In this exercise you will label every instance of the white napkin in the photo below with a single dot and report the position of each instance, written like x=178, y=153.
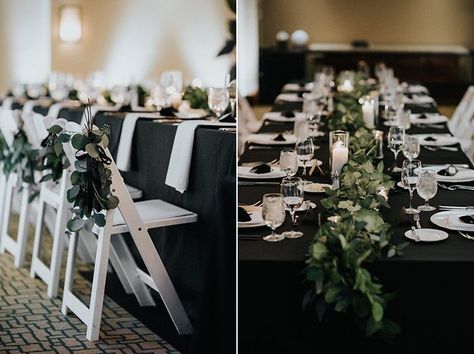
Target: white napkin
x=181, y=153
x=56, y=108
x=440, y=139
x=7, y=103
x=418, y=99
x=296, y=87
x=289, y=97
x=269, y=139
x=431, y=118
x=244, y=172
x=126, y=137
x=417, y=89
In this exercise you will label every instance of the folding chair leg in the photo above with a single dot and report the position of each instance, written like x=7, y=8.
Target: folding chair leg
x=57, y=251
x=7, y=206
x=69, y=276
x=22, y=236
x=126, y=268
x=37, y=237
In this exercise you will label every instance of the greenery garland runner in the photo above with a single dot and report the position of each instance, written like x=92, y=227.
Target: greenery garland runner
x=21, y=158
x=90, y=192
x=341, y=250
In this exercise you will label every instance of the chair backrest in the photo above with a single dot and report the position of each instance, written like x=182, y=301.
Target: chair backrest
x=34, y=128
x=462, y=114
x=9, y=125
x=247, y=121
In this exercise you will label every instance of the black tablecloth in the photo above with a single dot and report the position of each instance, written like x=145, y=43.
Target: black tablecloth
x=426, y=278
x=200, y=258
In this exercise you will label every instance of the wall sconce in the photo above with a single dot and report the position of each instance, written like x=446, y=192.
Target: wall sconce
x=70, y=23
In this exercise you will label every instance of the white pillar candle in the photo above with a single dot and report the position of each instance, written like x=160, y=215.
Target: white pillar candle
x=340, y=156
x=368, y=113
x=346, y=86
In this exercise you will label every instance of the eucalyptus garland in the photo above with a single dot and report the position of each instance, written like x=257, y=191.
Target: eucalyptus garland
x=90, y=192
x=21, y=158
x=341, y=251
x=51, y=159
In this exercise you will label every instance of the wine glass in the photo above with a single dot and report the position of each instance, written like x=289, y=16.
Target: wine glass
x=273, y=213
x=410, y=172
x=218, y=100
x=293, y=196
x=232, y=87
x=396, y=137
x=288, y=162
x=411, y=147
x=305, y=151
x=426, y=188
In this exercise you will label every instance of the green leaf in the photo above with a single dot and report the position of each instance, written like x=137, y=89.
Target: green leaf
x=80, y=165
x=112, y=202
x=319, y=250
x=64, y=138
x=315, y=274
x=75, y=177
x=79, y=141
x=75, y=225
x=89, y=225
x=47, y=177
x=72, y=193
x=58, y=148
x=99, y=220
x=377, y=311
x=55, y=129
x=91, y=149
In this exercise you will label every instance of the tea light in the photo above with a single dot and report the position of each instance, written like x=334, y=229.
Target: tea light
x=340, y=156
x=346, y=87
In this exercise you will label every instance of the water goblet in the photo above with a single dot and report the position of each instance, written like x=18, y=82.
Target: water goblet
x=305, y=151
x=288, y=162
x=293, y=196
x=409, y=178
x=395, y=138
x=426, y=188
x=411, y=147
x=273, y=214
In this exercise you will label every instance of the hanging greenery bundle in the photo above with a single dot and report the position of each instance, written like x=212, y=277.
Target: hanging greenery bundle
x=51, y=158
x=90, y=192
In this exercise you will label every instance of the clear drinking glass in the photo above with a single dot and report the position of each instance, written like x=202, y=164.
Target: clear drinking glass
x=273, y=213
x=305, y=151
x=426, y=188
x=218, y=100
x=288, y=162
x=410, y=172
x=411, y=147
x=395, y=139
x=232, y=87
x=293, y=197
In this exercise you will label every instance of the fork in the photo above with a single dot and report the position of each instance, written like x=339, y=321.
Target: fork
x=456, y=187
x=416, y=218
x=436, y=148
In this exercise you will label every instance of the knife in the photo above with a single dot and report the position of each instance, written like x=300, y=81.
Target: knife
x=451, y=207
x=459, y=165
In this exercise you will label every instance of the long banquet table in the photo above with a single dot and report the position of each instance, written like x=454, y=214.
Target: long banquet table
x=200, y=258
x=433, y=282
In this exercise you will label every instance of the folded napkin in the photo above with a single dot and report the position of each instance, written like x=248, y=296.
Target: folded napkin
x=259, y=169
x=181, y=153
x=279, y=137
x=126, y=138
x=417, y=89
x=243, y=215
x=297, y=87
x=418, y=99
x=468, y=219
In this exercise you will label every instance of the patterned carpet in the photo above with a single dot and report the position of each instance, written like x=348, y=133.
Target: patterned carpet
x=30, y=322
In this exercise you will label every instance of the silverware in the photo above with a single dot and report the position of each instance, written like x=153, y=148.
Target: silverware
x=458, y=165
x=245, y=183
x=250, y=237
x=416, y=218
x=256, y=163
x=260, y=147
x=452, y=207
x=415, y=236
x=436, y=148
x=456, y=187
x=466, y=235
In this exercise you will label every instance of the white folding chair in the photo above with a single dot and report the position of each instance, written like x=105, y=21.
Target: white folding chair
x=135, y=218
x=462, y=116
x=9, y=127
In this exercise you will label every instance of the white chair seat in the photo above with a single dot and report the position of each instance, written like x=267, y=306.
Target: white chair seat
x=154, y=213
x=135, y=193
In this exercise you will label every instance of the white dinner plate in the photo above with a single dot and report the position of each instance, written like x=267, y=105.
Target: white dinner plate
x=268, y=139
x=427, y=235
x=192, y=114
x=441, y=139
x=277, y=117
x=463, y=175
x=244, y=172
x=255, y=216
x=315, y=187
x=289, y=97
x=431, y=118
x=450, y=220
x=400, y=184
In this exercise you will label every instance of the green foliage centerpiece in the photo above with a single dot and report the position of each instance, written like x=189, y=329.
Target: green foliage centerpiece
x=90, y=192
x=341, y=251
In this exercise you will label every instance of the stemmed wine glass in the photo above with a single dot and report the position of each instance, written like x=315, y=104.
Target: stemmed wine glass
x=410, y=171
x=288, y=162
x=218, y=100
x=426, y=188
x=305, y=151
x=396, y=137
x=293, y=196
x=411, y=147
x=232, y=87
x=273, y=213
x=404, y=119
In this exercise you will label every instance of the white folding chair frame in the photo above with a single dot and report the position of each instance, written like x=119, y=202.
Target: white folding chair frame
x=158, y=279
